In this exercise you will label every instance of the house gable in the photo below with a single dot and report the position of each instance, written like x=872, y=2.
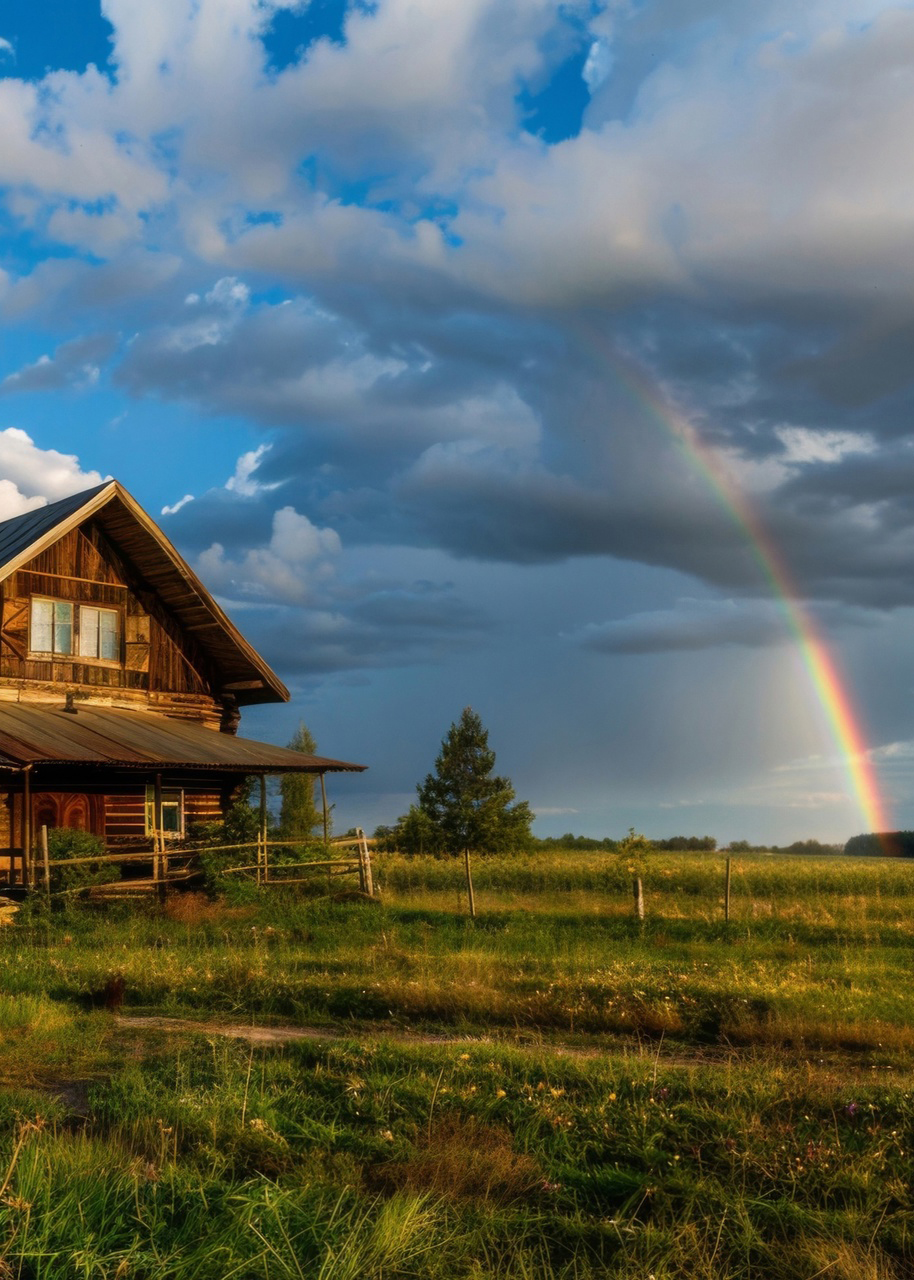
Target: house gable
x=95, y=600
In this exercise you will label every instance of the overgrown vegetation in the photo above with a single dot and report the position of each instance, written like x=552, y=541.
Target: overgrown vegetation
x=65, y=843
x=681, y=1098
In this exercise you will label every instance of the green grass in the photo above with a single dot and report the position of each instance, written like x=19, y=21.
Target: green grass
x=682, y=1099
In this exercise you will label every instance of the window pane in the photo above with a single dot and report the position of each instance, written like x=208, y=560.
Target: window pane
x=63, y=627
x=108, y=646
x=88, y=632
x=42, y=624
x=172, y=812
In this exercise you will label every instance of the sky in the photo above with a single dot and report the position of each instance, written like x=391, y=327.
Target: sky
x=415, y=325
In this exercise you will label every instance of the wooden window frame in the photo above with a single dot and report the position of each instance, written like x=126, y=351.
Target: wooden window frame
x=171, y=796
x=76, y=607
x=51, y=653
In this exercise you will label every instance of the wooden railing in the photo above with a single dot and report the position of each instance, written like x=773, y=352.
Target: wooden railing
x=172, y=864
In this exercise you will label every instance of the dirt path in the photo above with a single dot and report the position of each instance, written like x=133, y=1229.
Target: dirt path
x=672, y=1054
x=287, y=1034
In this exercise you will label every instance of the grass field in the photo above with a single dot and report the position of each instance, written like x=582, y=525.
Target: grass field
x=552, y=1090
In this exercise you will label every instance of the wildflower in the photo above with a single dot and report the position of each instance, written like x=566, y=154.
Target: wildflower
x=851, y=1109
x=612, y=1097
x=500, y=1093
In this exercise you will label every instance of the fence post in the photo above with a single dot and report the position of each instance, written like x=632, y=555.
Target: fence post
x=46, y=859
x=471, y=898
x=727, y=892
x=638, y=893
x=366, y=882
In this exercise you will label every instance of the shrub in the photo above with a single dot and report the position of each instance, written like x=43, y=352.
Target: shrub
x=64, y=843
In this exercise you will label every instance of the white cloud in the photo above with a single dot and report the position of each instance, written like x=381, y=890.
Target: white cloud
x=6, y=49
x=182, y=502
x=598, y=65
x=243, y=482
x=803, y=445
x=229, y=292
x=297, y=560
x=33, y=476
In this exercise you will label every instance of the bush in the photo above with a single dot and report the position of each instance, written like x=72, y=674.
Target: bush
x=64, y=843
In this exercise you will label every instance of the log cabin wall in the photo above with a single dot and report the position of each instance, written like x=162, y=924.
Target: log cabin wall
x=157, y=664
x=205, y=799
x=111, y=804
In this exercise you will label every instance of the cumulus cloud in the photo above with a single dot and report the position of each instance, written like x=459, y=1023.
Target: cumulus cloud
x=32, y=476
x=299, y=557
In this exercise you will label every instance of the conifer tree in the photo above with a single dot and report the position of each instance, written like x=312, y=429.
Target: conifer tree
x=298, y=814
x=465, y=805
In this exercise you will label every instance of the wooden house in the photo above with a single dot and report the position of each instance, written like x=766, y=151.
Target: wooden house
x=121, y=683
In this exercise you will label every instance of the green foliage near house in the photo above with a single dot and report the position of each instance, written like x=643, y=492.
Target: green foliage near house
x=65, y=843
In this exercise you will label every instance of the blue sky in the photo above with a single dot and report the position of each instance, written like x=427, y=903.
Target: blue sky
x=351, y=296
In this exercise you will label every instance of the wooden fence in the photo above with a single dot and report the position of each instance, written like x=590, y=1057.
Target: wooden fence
x=171, y=865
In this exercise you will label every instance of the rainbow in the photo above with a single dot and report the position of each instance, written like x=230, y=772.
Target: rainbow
x=827, y=682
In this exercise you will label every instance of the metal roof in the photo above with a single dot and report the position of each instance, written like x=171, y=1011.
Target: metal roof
x=159, y=567
x=20, y=532
x=140, y=740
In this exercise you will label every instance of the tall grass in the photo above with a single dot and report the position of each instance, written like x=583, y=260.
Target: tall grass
x=687, y=1098
x=816, y=953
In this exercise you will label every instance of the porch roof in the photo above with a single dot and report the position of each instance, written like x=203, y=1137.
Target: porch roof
x=109, y=737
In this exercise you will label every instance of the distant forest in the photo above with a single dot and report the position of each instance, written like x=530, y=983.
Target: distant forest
x=894, y=844
x=707, y=844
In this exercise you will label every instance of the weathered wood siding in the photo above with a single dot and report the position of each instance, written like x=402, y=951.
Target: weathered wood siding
x=111, y=806
x=205, y=800
x=156, y=657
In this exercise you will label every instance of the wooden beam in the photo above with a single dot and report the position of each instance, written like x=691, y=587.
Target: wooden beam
x=326, y=811
x=263, y=830
x=26, y=823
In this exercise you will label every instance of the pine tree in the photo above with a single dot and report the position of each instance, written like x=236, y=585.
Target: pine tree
x=465, y=805
x=298, y=814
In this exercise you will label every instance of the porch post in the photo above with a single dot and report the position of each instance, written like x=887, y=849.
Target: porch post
x=263, y=867
x=26, y=824
x=158, y=838
x=326, y=811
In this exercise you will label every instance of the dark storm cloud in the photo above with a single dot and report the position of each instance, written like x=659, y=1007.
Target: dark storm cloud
x=540, y=454
x=708, y=624
x=395, y=627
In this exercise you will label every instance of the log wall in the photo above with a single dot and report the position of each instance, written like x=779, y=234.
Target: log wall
x=157, y=659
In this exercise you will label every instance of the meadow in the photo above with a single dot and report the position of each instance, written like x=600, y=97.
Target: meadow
x=551, y=1090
